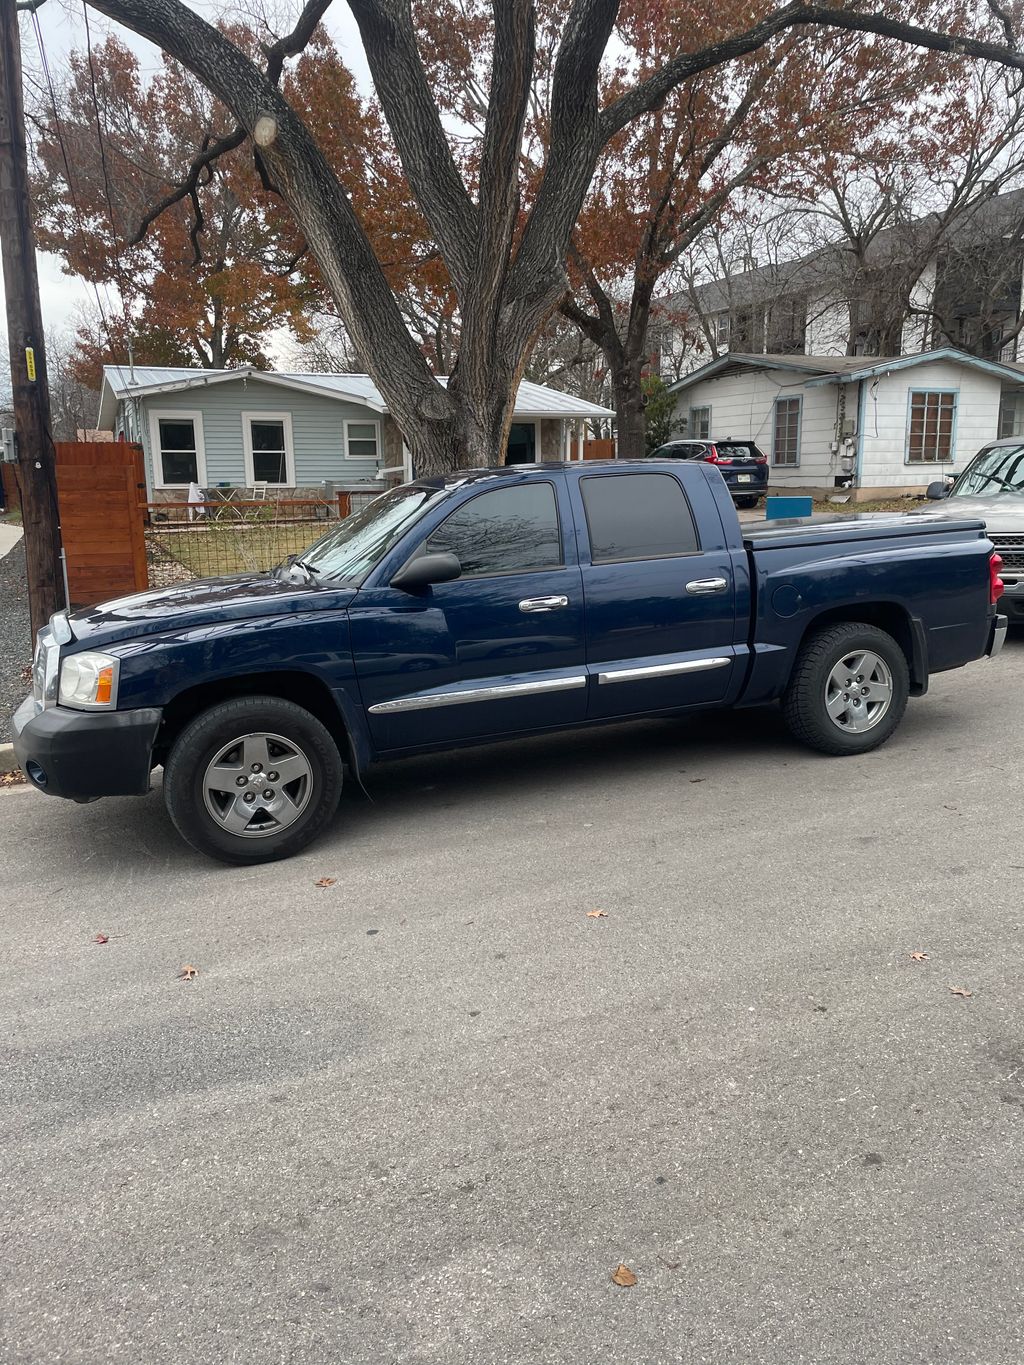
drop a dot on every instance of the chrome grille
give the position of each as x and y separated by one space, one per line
1010 549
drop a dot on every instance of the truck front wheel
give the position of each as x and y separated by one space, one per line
849 689
252 780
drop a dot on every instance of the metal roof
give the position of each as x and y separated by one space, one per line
123 381
842 369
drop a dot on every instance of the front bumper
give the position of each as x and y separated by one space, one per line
86 754
998 636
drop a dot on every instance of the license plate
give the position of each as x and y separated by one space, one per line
743 478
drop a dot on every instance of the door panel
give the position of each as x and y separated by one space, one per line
661 630
490 653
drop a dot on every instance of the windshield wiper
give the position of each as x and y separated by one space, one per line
292 563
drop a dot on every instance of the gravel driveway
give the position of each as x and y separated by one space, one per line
15 635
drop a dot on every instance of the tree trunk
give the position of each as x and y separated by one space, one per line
629 410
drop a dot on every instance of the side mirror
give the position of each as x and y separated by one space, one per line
938 488
422 570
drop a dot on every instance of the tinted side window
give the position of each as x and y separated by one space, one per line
508 530
637 516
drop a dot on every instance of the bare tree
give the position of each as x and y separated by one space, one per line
508 271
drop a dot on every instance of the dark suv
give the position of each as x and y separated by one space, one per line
743 467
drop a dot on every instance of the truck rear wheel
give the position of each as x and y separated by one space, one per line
849 689
252 780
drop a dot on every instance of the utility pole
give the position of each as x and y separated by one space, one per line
36 471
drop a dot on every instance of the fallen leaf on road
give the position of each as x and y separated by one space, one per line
672 1265
15 779
188 972
326 881
698 779
919 957
961 991
102 938
597 914
624 1276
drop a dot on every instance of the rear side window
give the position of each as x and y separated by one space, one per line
637 516
508 530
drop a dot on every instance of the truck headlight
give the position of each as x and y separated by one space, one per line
45 663
89 681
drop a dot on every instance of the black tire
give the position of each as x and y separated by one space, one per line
804 703
185 777
747 502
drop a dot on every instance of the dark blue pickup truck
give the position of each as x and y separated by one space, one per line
489 604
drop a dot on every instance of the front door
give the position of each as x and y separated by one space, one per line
498 650
661 603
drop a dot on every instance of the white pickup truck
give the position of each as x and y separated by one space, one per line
991 488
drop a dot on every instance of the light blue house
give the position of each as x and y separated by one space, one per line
247 428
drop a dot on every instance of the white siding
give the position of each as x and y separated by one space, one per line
743 406
886 414
317 430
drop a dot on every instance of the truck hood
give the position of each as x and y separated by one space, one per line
1001 513
238 598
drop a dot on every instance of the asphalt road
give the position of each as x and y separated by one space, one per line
420 1116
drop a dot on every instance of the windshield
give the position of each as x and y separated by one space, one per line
350 551
997 470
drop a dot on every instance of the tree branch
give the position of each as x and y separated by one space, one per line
188 189
1003 16
574 145
293 43
389 41
304 178
649 93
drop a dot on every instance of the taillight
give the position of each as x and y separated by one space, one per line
997 586
761 459
712 456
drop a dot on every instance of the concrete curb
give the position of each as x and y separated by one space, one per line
8 763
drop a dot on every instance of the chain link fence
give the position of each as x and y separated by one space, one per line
185 541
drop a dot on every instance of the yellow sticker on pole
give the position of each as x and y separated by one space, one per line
30 362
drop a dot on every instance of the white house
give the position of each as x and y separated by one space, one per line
245 426
875 426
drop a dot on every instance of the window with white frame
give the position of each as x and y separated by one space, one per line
362 440
269 453
179 458
722 329
700 423
786 442
930 430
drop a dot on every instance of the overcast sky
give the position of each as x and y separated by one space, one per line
62 29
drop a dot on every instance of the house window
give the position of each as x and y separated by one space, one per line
1011 414
179 458
362 440
786 443
722 330
930 432
700 423
269 455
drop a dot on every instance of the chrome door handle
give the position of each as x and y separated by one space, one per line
701 587
543 603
